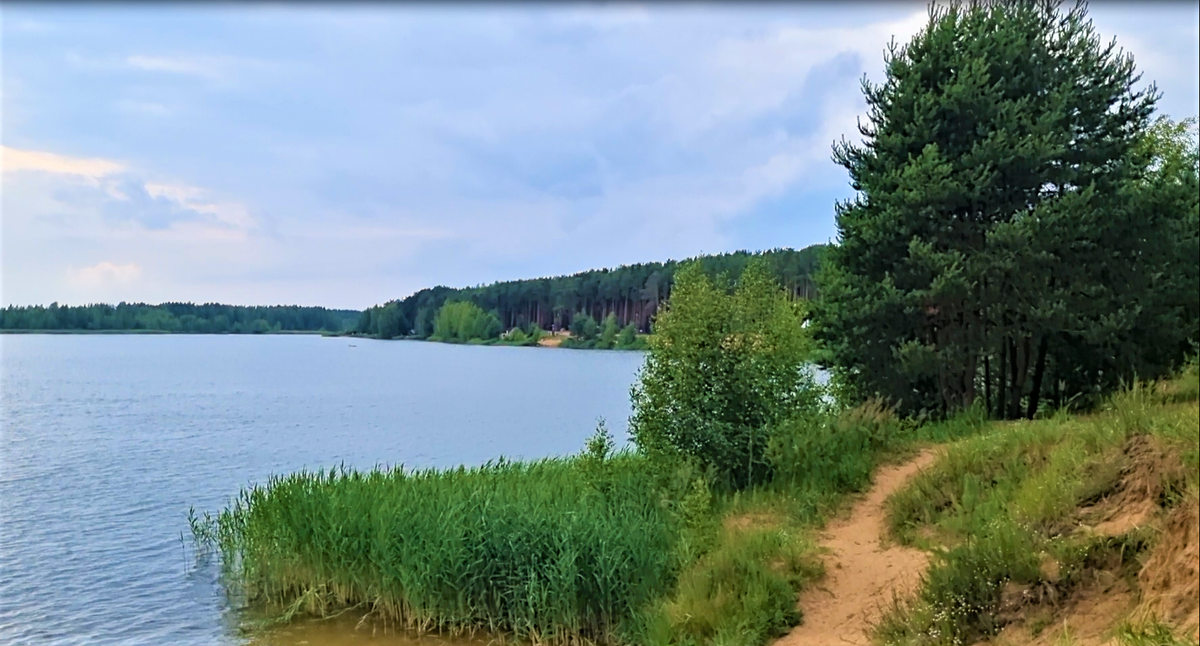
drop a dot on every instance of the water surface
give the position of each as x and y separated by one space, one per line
106 440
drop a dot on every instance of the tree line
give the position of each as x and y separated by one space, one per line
207 318
630 293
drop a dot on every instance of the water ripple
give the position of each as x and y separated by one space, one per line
105 441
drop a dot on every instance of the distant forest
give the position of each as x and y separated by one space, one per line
630 292
209 318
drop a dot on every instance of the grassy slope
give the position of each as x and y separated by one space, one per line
1026 515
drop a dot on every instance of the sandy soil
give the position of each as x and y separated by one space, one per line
1086 620
862 574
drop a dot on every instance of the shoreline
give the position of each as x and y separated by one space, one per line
548 339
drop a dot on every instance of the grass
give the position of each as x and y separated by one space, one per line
1149 634
553 550
1004 508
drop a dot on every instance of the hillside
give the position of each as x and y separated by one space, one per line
631 292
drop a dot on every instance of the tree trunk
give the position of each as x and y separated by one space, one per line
987 382
1001 400
1019 364
1038 372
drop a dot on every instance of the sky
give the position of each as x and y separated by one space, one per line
345 155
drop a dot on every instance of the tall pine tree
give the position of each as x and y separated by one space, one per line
997 247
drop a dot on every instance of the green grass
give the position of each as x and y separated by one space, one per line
1149 634
741 592
1001 506
553 550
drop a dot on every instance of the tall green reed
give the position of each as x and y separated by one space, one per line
553 550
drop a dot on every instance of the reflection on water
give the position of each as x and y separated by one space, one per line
106 440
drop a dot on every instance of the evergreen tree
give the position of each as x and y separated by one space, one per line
991 248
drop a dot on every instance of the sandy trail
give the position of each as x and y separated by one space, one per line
861 574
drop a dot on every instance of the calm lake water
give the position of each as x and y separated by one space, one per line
106 440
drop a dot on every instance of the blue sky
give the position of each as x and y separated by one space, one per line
346 155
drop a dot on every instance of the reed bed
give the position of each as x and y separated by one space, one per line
559 550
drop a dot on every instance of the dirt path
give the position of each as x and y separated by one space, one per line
861 574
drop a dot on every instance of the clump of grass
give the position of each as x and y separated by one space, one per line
1151 633
554 550
744 592
752 554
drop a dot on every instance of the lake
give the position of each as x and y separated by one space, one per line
106 440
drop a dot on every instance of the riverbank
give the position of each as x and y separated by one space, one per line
599 547
545 340
698 567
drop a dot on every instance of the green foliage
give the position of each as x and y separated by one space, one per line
208 318
464 322
552 550
819 457
1149 634
387 322
743 592
595 461
722 371
1022 233
628 338
607 338
584 327
608 333
632 292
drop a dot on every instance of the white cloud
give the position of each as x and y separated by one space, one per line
761 71
233 215
104 274
93 169
203 67
104 198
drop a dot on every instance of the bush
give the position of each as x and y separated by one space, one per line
464 321
583 327
743 592
723 369
628 337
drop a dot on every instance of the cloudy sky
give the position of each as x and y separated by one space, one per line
343 156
